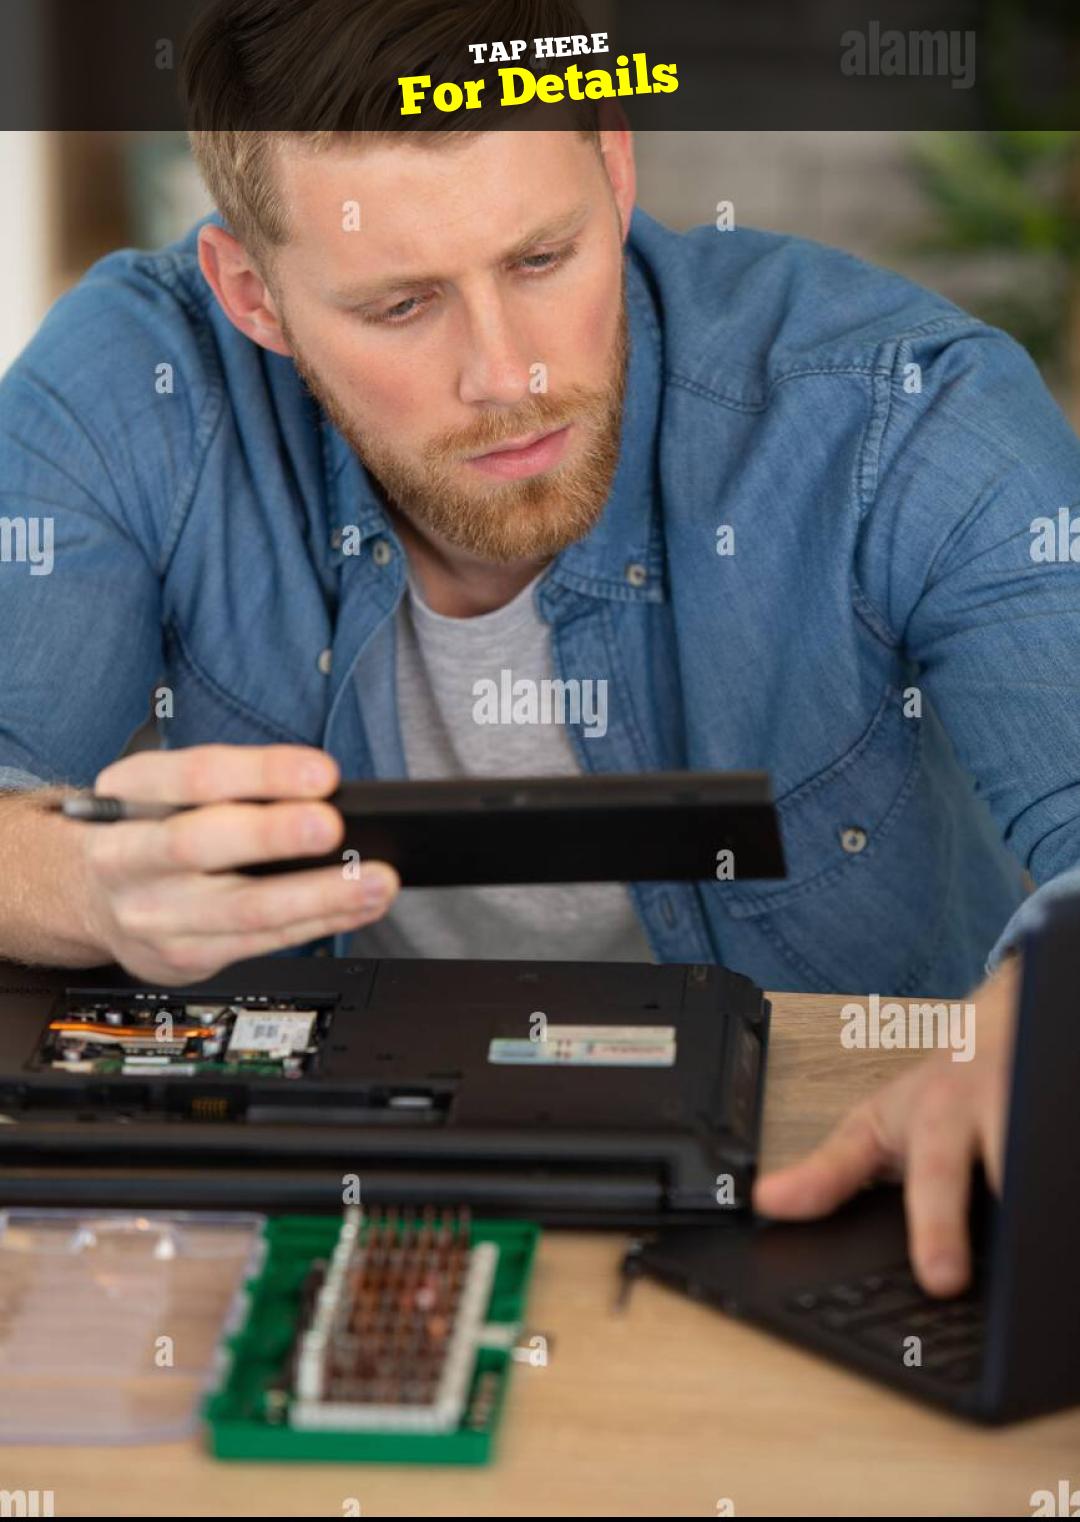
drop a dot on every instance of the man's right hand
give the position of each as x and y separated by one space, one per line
163 897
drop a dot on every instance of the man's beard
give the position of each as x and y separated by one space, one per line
530 519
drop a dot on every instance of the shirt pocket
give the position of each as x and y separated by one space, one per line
869 849
204 713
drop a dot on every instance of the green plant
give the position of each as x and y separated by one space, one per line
1016 193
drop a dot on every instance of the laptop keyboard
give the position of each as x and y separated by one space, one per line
879 1312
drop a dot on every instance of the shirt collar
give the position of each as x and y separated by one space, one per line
622 556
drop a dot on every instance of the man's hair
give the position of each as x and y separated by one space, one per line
325 73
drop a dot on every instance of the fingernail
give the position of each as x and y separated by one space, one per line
376 888
318 830
316 774
943 1269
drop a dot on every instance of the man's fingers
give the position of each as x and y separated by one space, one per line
213 839
192 959
850 1156
233 905
937 1190
213 773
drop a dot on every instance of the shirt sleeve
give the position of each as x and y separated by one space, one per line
92 459
977 471
1032 914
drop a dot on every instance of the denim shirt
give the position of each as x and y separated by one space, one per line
816 559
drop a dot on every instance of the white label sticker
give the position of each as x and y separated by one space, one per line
590 1046
271 1031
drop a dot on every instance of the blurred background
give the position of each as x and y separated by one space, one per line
990 219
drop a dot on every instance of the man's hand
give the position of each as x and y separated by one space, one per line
159 895
927 1127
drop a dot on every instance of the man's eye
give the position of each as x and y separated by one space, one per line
411 306
401 311
539 264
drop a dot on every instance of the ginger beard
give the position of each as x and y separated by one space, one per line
533 518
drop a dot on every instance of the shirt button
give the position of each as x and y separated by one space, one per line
636 574
381 552
325 661
853 839
322 951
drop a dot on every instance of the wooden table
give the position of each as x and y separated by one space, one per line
665 1409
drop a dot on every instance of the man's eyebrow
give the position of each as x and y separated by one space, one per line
557 227
550 232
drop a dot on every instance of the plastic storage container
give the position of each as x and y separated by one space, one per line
111 1321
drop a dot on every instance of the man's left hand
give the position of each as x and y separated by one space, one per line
927 1127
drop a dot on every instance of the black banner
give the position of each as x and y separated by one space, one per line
683 65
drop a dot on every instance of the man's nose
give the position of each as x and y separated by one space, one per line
495 366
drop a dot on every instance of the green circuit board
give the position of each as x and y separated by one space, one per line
385 1336
152 1035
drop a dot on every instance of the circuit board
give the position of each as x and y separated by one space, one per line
384 1336
158 1034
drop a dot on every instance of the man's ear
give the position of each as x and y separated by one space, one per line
242 293
617 149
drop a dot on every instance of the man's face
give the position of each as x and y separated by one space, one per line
479 305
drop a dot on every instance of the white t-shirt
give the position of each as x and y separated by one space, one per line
439 662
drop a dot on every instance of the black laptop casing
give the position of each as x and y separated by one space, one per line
403 1097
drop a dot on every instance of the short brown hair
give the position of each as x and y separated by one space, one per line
325 71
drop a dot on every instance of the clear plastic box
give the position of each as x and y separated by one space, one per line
111 1321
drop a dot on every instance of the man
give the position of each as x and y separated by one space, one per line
419 408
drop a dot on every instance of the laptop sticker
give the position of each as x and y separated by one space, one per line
590 1046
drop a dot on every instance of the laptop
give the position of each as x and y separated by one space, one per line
842 1287
597 1093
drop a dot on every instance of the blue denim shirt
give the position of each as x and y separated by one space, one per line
880 638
